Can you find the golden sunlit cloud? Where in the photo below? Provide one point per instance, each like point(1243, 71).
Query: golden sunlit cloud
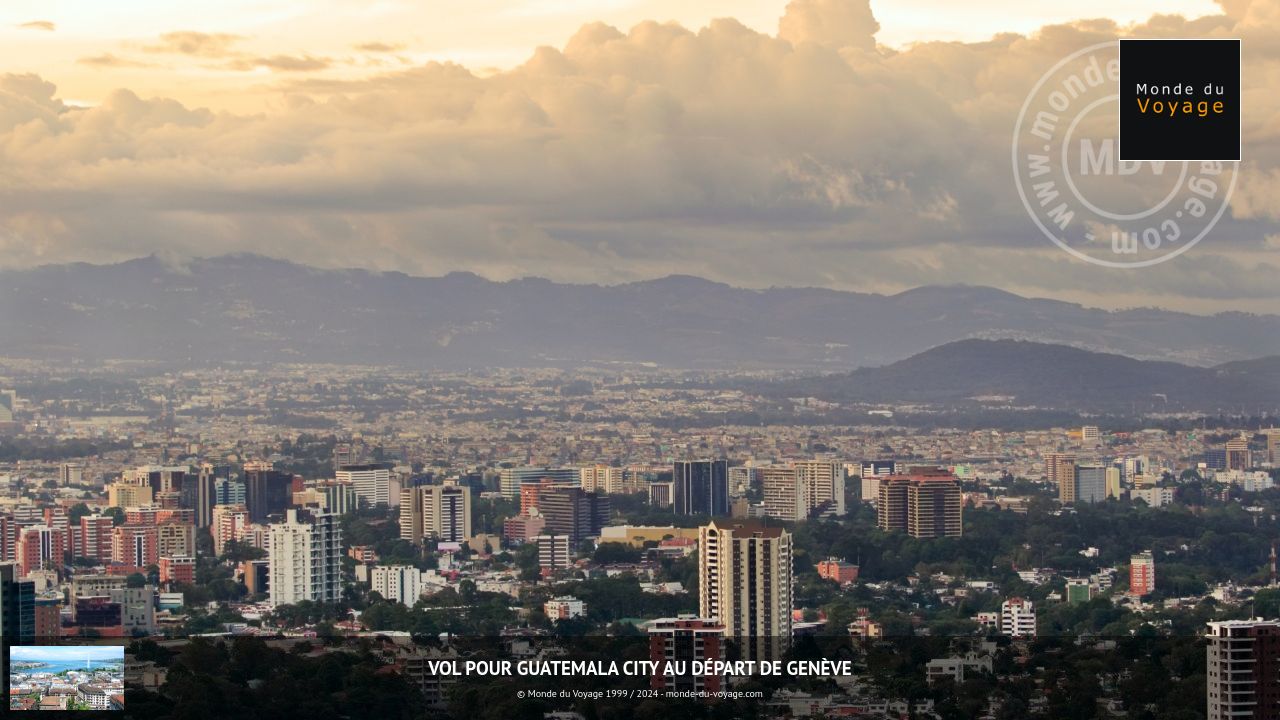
point(44, 25)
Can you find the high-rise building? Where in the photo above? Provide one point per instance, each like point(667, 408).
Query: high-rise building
point(510, 480)
point(230, 522)
point(95, 537)
point(744, 584)
point(305, 557)
point(1060, 472)
point(554, 553)
point(135, 546)
point(206, 496)
point(176, 539)
point(1142, 574)
point(1242, 672)
point(267, 491)
point(70, 474)
point(442, 512)
point(925, 504)
point(601, 478)
point(39, 546)
point(701, 487)
point(228, 492)
point(802, 490)
point(123, 494)
point(178, 569)
point(1273, 445)
point(398, 583)
point(1238, 454)
point(1018, 618)
point(573, 512)
point(160, 478)
point(785, 494)
point(1113, 482)
point(17, 607)
point(1091, 483)
point(684, 639)
point(371, 482)
point(330, 496)
point(870, 473)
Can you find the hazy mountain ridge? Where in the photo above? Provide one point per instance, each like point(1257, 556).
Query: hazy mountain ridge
point(246, 307)
point(1011, 372)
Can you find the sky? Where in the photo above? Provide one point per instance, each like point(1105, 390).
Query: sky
point(833, 143)
point(66, 653)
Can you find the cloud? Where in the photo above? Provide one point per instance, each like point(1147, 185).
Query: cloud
point(283, 63)
point(188, 42)
point(832, 23)
point(379, 47)
point(44, 25)
point(809, 157)
point(108, 60)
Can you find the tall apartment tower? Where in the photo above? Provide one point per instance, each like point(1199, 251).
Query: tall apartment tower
point(1242, 672)
point(1142, 574)
point(601, 478)
point(305, 559)
point(442, 512)
point(926, 504)
point(701, 487)
point(686, 639)
point(1060, 472)
point(573, 512)
point(745, 576)
point(801, 490)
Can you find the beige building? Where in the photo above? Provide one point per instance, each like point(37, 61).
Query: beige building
point(745, 577)
point(124, 495)
point(442, 512)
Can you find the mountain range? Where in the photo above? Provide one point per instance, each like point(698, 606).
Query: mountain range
point(993, 373)
point(253, 308)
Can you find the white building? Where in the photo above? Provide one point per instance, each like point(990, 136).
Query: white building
point(601, 478)
point(401, 583)
point(1240, 678)
point(371, 482)
point(565, 607)
point(1153, 496)
point(1018, 618)
point(305, 559)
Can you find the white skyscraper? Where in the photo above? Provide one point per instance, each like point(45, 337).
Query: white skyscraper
point(305, 559)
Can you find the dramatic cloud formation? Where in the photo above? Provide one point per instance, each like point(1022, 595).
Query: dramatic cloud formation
point(807, 157)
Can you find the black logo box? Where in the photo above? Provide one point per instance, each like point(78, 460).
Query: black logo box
point(1192, 63)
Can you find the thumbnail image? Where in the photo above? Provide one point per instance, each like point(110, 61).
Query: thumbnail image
point(60, 677)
